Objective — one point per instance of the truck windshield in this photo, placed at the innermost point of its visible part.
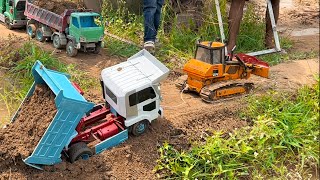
(21, 5)
(87, 21)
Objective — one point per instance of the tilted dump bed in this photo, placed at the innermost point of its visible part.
(71, 107)
(51, 19)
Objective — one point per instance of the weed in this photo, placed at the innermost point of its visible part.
(116, 47)
(284, 138)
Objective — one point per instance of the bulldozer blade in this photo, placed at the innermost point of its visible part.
(260, 68)
(261, 71)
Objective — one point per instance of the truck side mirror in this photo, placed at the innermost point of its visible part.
(10, 3)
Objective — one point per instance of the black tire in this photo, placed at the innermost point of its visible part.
(97, 48)
(139, 128)
(71, 50)
(39, 35)
(56, 42)
(78, 151)
(31, 30)
(7, 23)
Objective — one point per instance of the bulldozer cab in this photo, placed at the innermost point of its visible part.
(210, 52)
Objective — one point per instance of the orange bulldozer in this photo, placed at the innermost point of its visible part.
(216, 76)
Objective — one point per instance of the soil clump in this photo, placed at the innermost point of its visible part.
(19, 139)
(58, 6)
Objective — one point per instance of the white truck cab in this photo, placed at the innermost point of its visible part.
(132, 89)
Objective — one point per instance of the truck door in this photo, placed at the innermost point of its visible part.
(146, 101)
(10, 5)
(74, 29)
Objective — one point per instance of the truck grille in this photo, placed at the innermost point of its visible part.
(21, 16)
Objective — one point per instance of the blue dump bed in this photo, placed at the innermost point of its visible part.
(71, 107)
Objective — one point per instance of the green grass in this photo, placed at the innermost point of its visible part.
(283, 140)
(119, 48)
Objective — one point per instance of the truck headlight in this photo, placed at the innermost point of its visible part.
(82, 39)
(101, 38)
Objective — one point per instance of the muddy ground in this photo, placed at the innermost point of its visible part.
(183, 123)
(187, 118)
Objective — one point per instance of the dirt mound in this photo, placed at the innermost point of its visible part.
(9, 51)
(288, 76)
(95, 168)
(20, 138)
(58, 6)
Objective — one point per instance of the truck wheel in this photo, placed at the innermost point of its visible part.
(57, 42)
(97, 49)
(39, 35)
(139, 128)
(31, 30)
(78, 151)
(71, 50)
(7, 22)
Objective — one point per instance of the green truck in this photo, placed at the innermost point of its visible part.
(12, 13)
(73, 29)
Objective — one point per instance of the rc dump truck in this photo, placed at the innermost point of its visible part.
(11, 13)
(75, 29)
(81, 129)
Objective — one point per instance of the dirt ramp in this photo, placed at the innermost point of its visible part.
(288, 76)
(9, 51)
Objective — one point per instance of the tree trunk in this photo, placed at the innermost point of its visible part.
(269, 39)
(235, 17)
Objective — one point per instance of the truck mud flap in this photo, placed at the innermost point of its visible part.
(111, 142)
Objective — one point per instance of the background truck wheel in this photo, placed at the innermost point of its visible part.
(57, 42)
(71, 50)
(7, 22)
(139, 128)
(97, 49)
(31, 30)
(39, 35)
(78, 151)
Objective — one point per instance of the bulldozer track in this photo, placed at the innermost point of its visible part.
(208, 93)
